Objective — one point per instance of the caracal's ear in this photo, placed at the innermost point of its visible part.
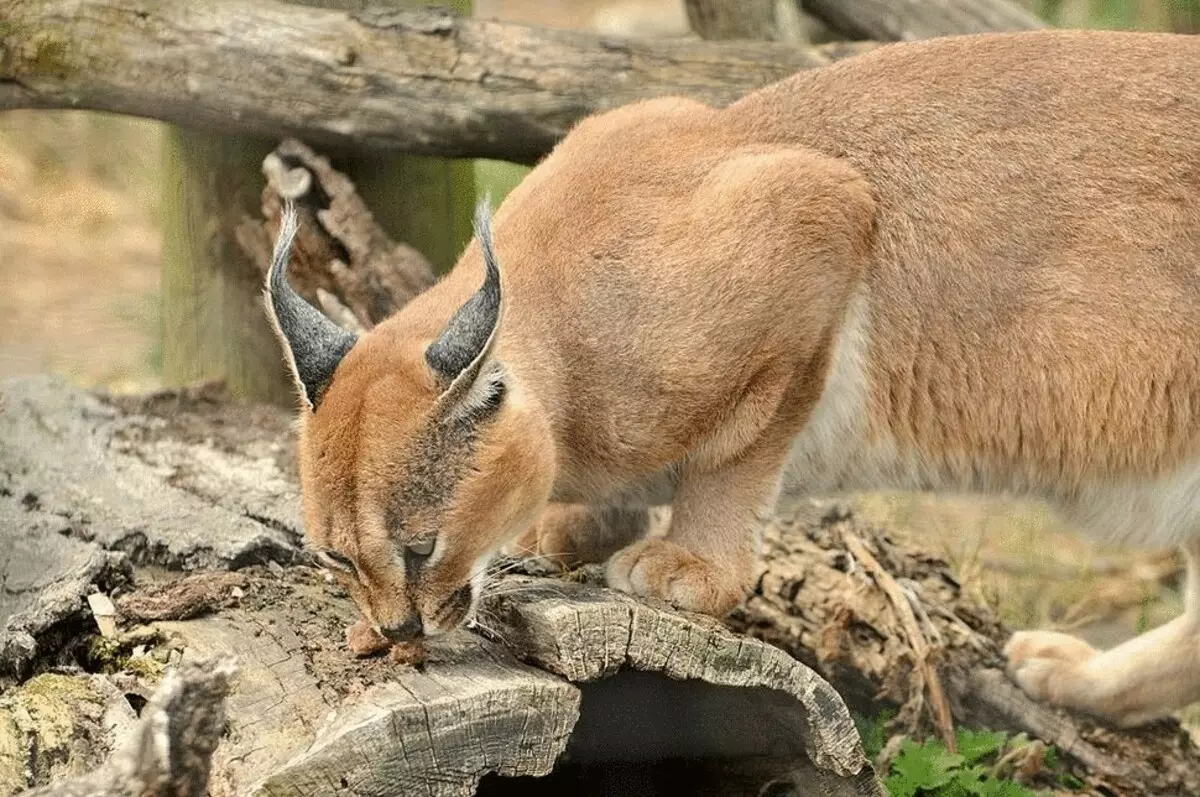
(314, 345)
(458, 354)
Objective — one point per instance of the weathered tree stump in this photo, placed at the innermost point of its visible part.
(343, 261)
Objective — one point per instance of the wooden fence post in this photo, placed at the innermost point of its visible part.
(213, 325)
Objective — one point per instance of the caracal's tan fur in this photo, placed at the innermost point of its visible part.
(963, 264)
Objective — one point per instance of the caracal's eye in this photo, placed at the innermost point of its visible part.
(335, 561)
(420, 549)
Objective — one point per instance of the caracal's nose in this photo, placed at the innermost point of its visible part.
(406, 631)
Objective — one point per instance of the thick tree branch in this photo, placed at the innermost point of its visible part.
(421, 81)
(907, 20)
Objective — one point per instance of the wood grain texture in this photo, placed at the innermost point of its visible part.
(908, 20)
(106, 477)
(421, 81)
(438, 732)
(514, 703)
(423, 201)
(585, 633)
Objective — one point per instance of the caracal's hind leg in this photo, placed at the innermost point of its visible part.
(1144, 679)
(567, 535)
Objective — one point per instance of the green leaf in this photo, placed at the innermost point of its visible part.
(1070, 781)
(976, 745)
(1003, 788)
(926, 766)
(967, 781)
(899, 786)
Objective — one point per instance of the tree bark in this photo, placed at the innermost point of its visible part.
(907, 20)
(342, 261)
(721, 19)
(170, 750)
(424, 201)
(424, 81)
(213, 323)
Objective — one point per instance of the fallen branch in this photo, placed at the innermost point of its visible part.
(925, 675)
(421, 81)
(892, 20)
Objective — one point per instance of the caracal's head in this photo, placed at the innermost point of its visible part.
(418, 458)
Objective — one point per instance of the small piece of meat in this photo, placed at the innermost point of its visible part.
(410, 653)
(364, 640)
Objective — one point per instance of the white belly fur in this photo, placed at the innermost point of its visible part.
(834, 453)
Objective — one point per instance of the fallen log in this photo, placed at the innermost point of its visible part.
(827, 597)
(421, 81)
(569, 678)
(559, 681)
(908, 20)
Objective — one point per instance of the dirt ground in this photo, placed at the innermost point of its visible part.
(79, 247)
(80, 256)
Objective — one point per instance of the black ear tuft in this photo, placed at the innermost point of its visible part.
(493, 397)
(464, 341)
(314, 345)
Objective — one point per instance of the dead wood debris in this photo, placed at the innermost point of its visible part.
(182, 599)
(925, 677)
(342, 260)
(170, 751)
(889, 625)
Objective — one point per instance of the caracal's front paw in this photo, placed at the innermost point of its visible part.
(659, 568)
(1049, 666)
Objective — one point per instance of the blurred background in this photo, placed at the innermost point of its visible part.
(81, 261)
